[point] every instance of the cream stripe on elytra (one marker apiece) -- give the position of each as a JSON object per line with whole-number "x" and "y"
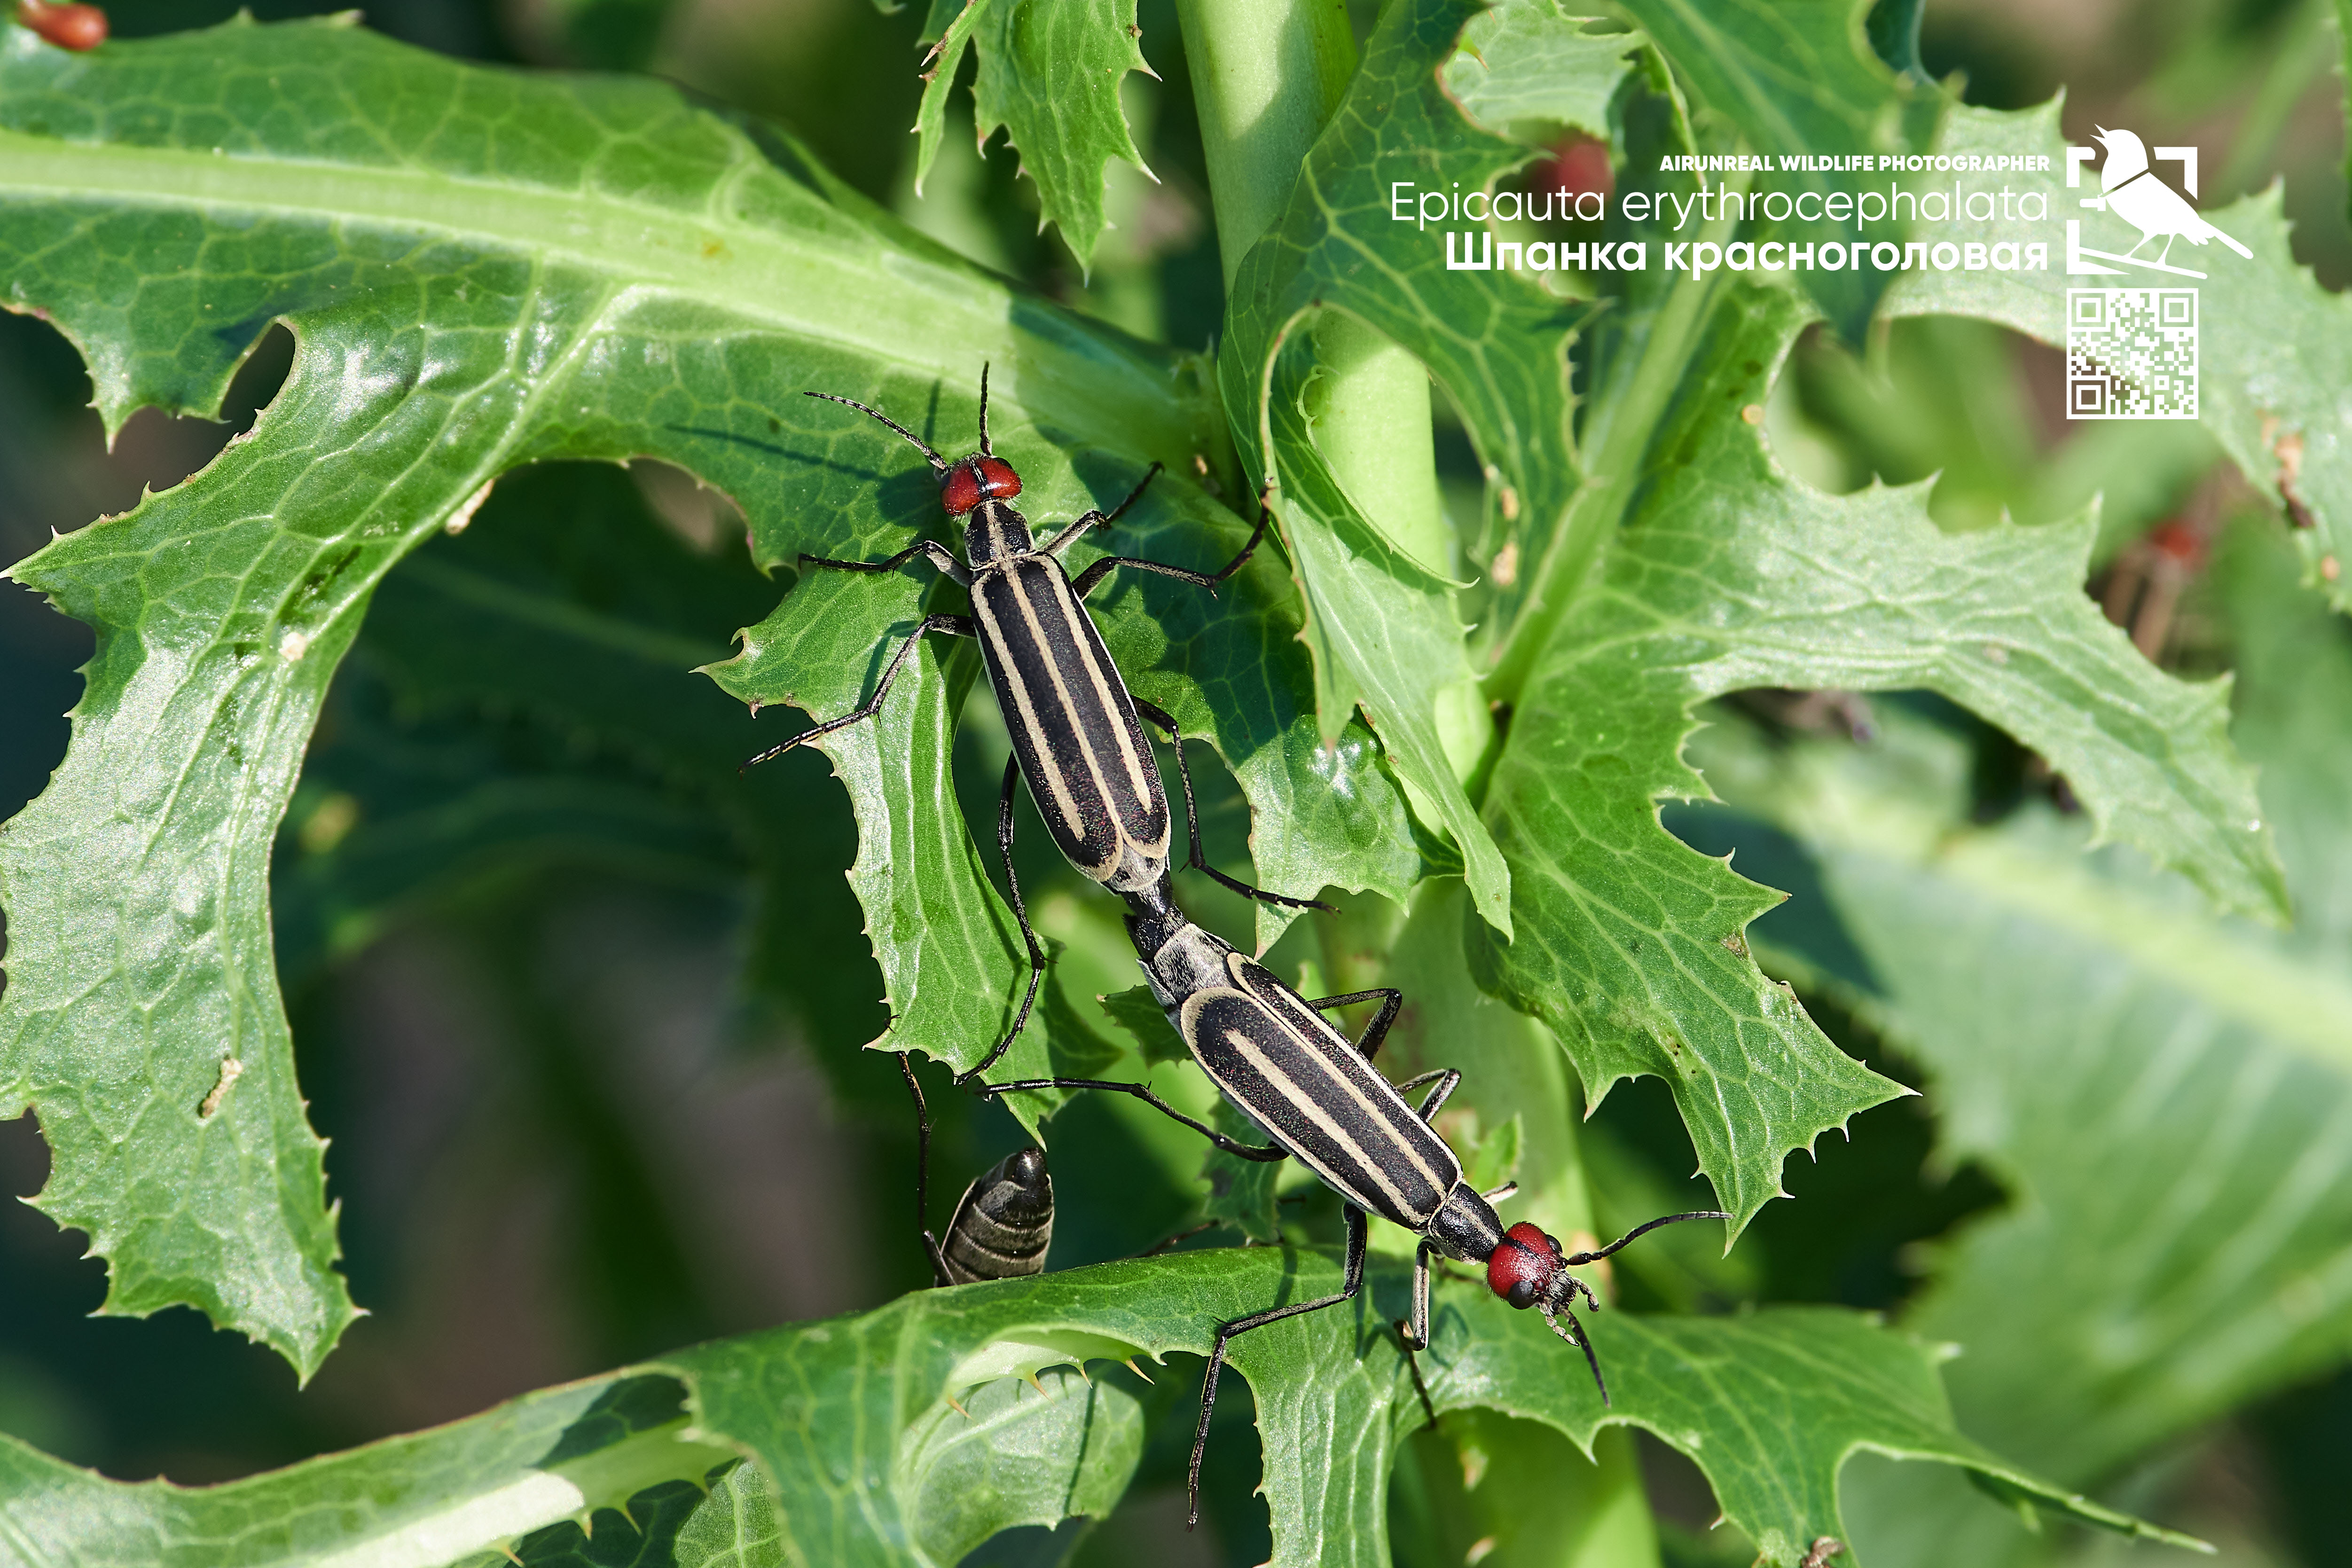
{"x": 1023, "y": 700}
{"x": 1085, "y": 645}
{"x": 1054, "y": 667}
{"x": 1382, "y": 1115}
{"x": 1312, "y": 1109}
{"x": 1379, "y": 1115}
{"x": 1339, "y": 1180}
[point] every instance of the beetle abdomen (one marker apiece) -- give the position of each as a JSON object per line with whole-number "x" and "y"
{"x": 1004, "y": 1222}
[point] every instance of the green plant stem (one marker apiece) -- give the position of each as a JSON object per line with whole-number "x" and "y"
{"x": 1266, "y": 76}
{"x": 2301, "y": 54}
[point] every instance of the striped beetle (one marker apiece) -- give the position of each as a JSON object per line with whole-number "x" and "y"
{"x": 1076, "y": 735}
{"x": 1316, "y": 1095}
{"x": 1004, "y": 1221}
{"x": 1002, "y": 1224}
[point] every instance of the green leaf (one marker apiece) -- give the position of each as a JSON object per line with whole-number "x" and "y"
{"x": 732, "y": 1524}
{"x": 636, "y": 277}
{"x": 2273, "y": 347}
{"x": 1010, "y": 1456}
{"x": 2109, "y": 1337}
{"x": 1383, "y": 628}
{"x": 1496, "y": 344}
{"x": 1142, "y": 1019}
{"x": 724, "y": 1520}
{"x": 1730, "y": 575}
{"x": 863, "y": 1460}
{"x": 422, "y": 1499}
{"x": 953, "y": 959}
{"x": 2164, "y": 1092}
{"x": 1240, "y": 1191}
{"x": 1016, "y": 1455}
{"x": 1820, "y": 1383}
{"x": 1529, "y": 60}
{"x": 1049, "y": 73}
{"x": 1800, "y": 76}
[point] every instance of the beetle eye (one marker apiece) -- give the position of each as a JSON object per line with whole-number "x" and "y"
{"x": 960, "y": 492}
{"x": 1522, "y": 1293}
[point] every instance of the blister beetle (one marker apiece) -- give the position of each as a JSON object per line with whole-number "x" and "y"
{"x": 1002, "y": 1224}
{"x": 1318, "y": 1097}
{"x": 1076, "y": 736}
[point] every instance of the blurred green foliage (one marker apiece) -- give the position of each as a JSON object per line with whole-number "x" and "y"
{"x": 582, "y": 1112}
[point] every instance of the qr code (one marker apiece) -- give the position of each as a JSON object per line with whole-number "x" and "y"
{"x": 2131, "y": 354}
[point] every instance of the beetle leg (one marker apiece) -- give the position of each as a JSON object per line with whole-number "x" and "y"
{"x": 1020, "y": 914}
{"x": 955, "y": 625}
{"x": 1356, "y": 1235}
{"x": 940, "y": 554}
{"x": 1199, "y": 862}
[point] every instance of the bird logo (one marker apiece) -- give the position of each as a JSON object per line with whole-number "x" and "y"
{"x": 2131, "y": 190}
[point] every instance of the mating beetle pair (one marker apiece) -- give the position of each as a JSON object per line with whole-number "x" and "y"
{"x": 1317, "y": 1096}
{"x": 1076, "y": 738}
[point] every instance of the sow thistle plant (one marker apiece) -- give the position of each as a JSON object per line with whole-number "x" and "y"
{"x": 1468, "y": 720}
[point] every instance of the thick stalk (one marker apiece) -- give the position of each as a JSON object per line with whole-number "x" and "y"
{"x": 1266, "y": 75}
{"x": 2301, "y": 55}
{"x": 1371, "y": 411}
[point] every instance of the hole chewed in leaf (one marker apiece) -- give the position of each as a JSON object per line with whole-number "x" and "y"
{"x": 703, "y": 516}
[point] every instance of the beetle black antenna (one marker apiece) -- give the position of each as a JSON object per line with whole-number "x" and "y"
{"x": 1640, "y": 1230}
{"x": 985, "y": 449}
{"x": 938, "y": 462}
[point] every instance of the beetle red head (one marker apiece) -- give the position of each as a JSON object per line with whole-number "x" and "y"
{"x": 1523, "y": 1267}
{"x": 977, "y": 478}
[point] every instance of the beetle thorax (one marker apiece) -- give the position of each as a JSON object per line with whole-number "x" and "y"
{"x": 1466, "y": 1228}
{"x": 1189, "y": 960}
{"x": 993, "y": 531}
